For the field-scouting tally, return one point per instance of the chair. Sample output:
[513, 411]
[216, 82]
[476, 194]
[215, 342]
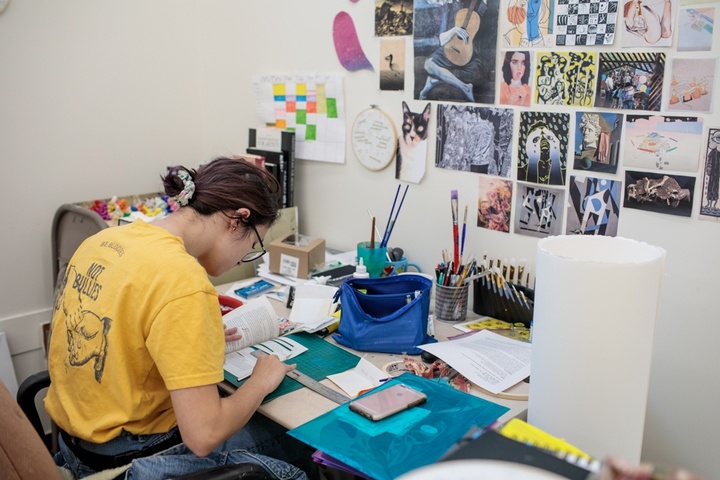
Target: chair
[23, 455]
[71, 225]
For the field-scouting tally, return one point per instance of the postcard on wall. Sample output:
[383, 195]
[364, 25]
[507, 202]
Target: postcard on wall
[516, 74]
[543, 147]
[527, 24]
[660, 142]
[658, 192]
[709, 209]
[648, 23]
[311, 105]
[695, 29]
[692, 83]
[585, 23]
[494, 203]
[630, 81]
[593, 206]
[411, 152]
[393, 18]
[474, 139]
[539, 210]
[597, 141]
[392, 64]
[565, 78]
[448, 66]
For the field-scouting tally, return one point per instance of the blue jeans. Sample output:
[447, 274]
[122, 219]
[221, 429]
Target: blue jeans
[261, 441]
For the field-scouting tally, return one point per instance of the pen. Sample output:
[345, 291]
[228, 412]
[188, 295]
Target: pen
[462, 244]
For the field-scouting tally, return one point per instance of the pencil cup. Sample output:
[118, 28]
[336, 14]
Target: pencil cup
[451, 303]
[375, 259]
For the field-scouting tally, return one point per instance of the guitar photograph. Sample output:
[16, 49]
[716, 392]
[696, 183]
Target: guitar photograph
[452, 52]
[459, 50]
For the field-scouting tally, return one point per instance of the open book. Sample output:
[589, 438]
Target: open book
[261, 329]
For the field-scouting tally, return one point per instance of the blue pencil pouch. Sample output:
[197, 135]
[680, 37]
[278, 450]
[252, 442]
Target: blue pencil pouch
[388, 315]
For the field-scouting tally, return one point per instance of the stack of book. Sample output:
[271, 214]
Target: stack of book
[277, 147]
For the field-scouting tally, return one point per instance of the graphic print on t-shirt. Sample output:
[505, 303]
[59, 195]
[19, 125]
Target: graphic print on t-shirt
[86, 331]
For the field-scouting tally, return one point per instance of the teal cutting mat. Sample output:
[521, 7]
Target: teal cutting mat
[321, 359]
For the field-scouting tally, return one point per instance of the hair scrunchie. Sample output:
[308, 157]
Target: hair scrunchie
[188, 190]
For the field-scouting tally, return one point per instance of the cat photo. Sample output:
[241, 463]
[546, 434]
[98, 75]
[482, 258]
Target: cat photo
[412, 145]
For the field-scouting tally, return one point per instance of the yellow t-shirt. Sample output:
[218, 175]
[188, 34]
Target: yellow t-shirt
[136, 318]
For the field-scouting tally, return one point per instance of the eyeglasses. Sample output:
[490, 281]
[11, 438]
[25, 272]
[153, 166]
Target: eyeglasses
[252, 256]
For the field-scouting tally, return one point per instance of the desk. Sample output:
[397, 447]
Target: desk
[301, 406]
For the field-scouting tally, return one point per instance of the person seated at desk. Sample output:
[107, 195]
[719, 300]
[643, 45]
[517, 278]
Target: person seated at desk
[137, 348]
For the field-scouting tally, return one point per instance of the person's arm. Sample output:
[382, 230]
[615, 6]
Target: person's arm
[206, 420]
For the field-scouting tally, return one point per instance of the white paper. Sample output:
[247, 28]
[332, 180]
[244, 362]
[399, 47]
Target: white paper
[241, 363]
[364, 376]
[312, 305]
[489, 360]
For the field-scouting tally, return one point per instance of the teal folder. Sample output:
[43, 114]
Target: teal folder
[321, 359]
[386, 449]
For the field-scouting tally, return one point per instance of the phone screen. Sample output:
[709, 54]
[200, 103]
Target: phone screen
[388, 401]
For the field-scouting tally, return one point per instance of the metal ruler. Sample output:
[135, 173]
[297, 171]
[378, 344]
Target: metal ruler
[312, 384]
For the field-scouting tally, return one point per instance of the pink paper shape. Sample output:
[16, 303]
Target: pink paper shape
[347, 45]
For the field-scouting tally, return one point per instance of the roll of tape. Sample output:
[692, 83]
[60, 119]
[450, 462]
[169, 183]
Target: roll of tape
[395, 368]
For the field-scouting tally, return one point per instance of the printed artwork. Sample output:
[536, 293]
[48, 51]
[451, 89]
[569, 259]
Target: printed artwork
[593, 206]
[648, 23]
[311, 105]
[691, 84]
[597, 141]
[494, 203]
[661, 142]
[392, 64]
[527, 23]
[515, 85]
[393, 18]
[474, 139]
[711, 178]
[539, 211]
[542, 147]
[455, 50]
[411, 155]
[630, 81]
[658, 192]
[580, 22]
[695, 29]
[565, 78]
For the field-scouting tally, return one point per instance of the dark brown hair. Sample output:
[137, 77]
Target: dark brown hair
[226, 184]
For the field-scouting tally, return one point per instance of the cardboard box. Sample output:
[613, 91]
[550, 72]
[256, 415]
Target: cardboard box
[296, 258]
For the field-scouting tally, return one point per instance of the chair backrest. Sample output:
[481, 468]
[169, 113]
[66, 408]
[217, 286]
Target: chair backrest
[71, 225]
[22, 453]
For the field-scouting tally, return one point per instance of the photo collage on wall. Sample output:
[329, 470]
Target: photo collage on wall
[633, 117]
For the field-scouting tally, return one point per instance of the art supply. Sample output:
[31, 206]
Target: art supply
[391, 225]
[312, 384]
[456, 240]
[361, 270]
[372, 234]
[374, 259]
[451, 303]
[387, 225]
[462, 241]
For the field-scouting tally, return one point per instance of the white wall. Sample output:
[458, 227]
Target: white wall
[97, 96]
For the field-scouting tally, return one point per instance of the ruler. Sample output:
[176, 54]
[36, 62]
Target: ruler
[312, 384]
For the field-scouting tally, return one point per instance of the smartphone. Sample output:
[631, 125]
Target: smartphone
[387, 401]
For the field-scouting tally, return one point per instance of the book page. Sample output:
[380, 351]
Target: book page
[256, 321]
[241, 363]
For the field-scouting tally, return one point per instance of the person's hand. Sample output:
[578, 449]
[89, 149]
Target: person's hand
[231, 334]
[269, 371]
[461, 33]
